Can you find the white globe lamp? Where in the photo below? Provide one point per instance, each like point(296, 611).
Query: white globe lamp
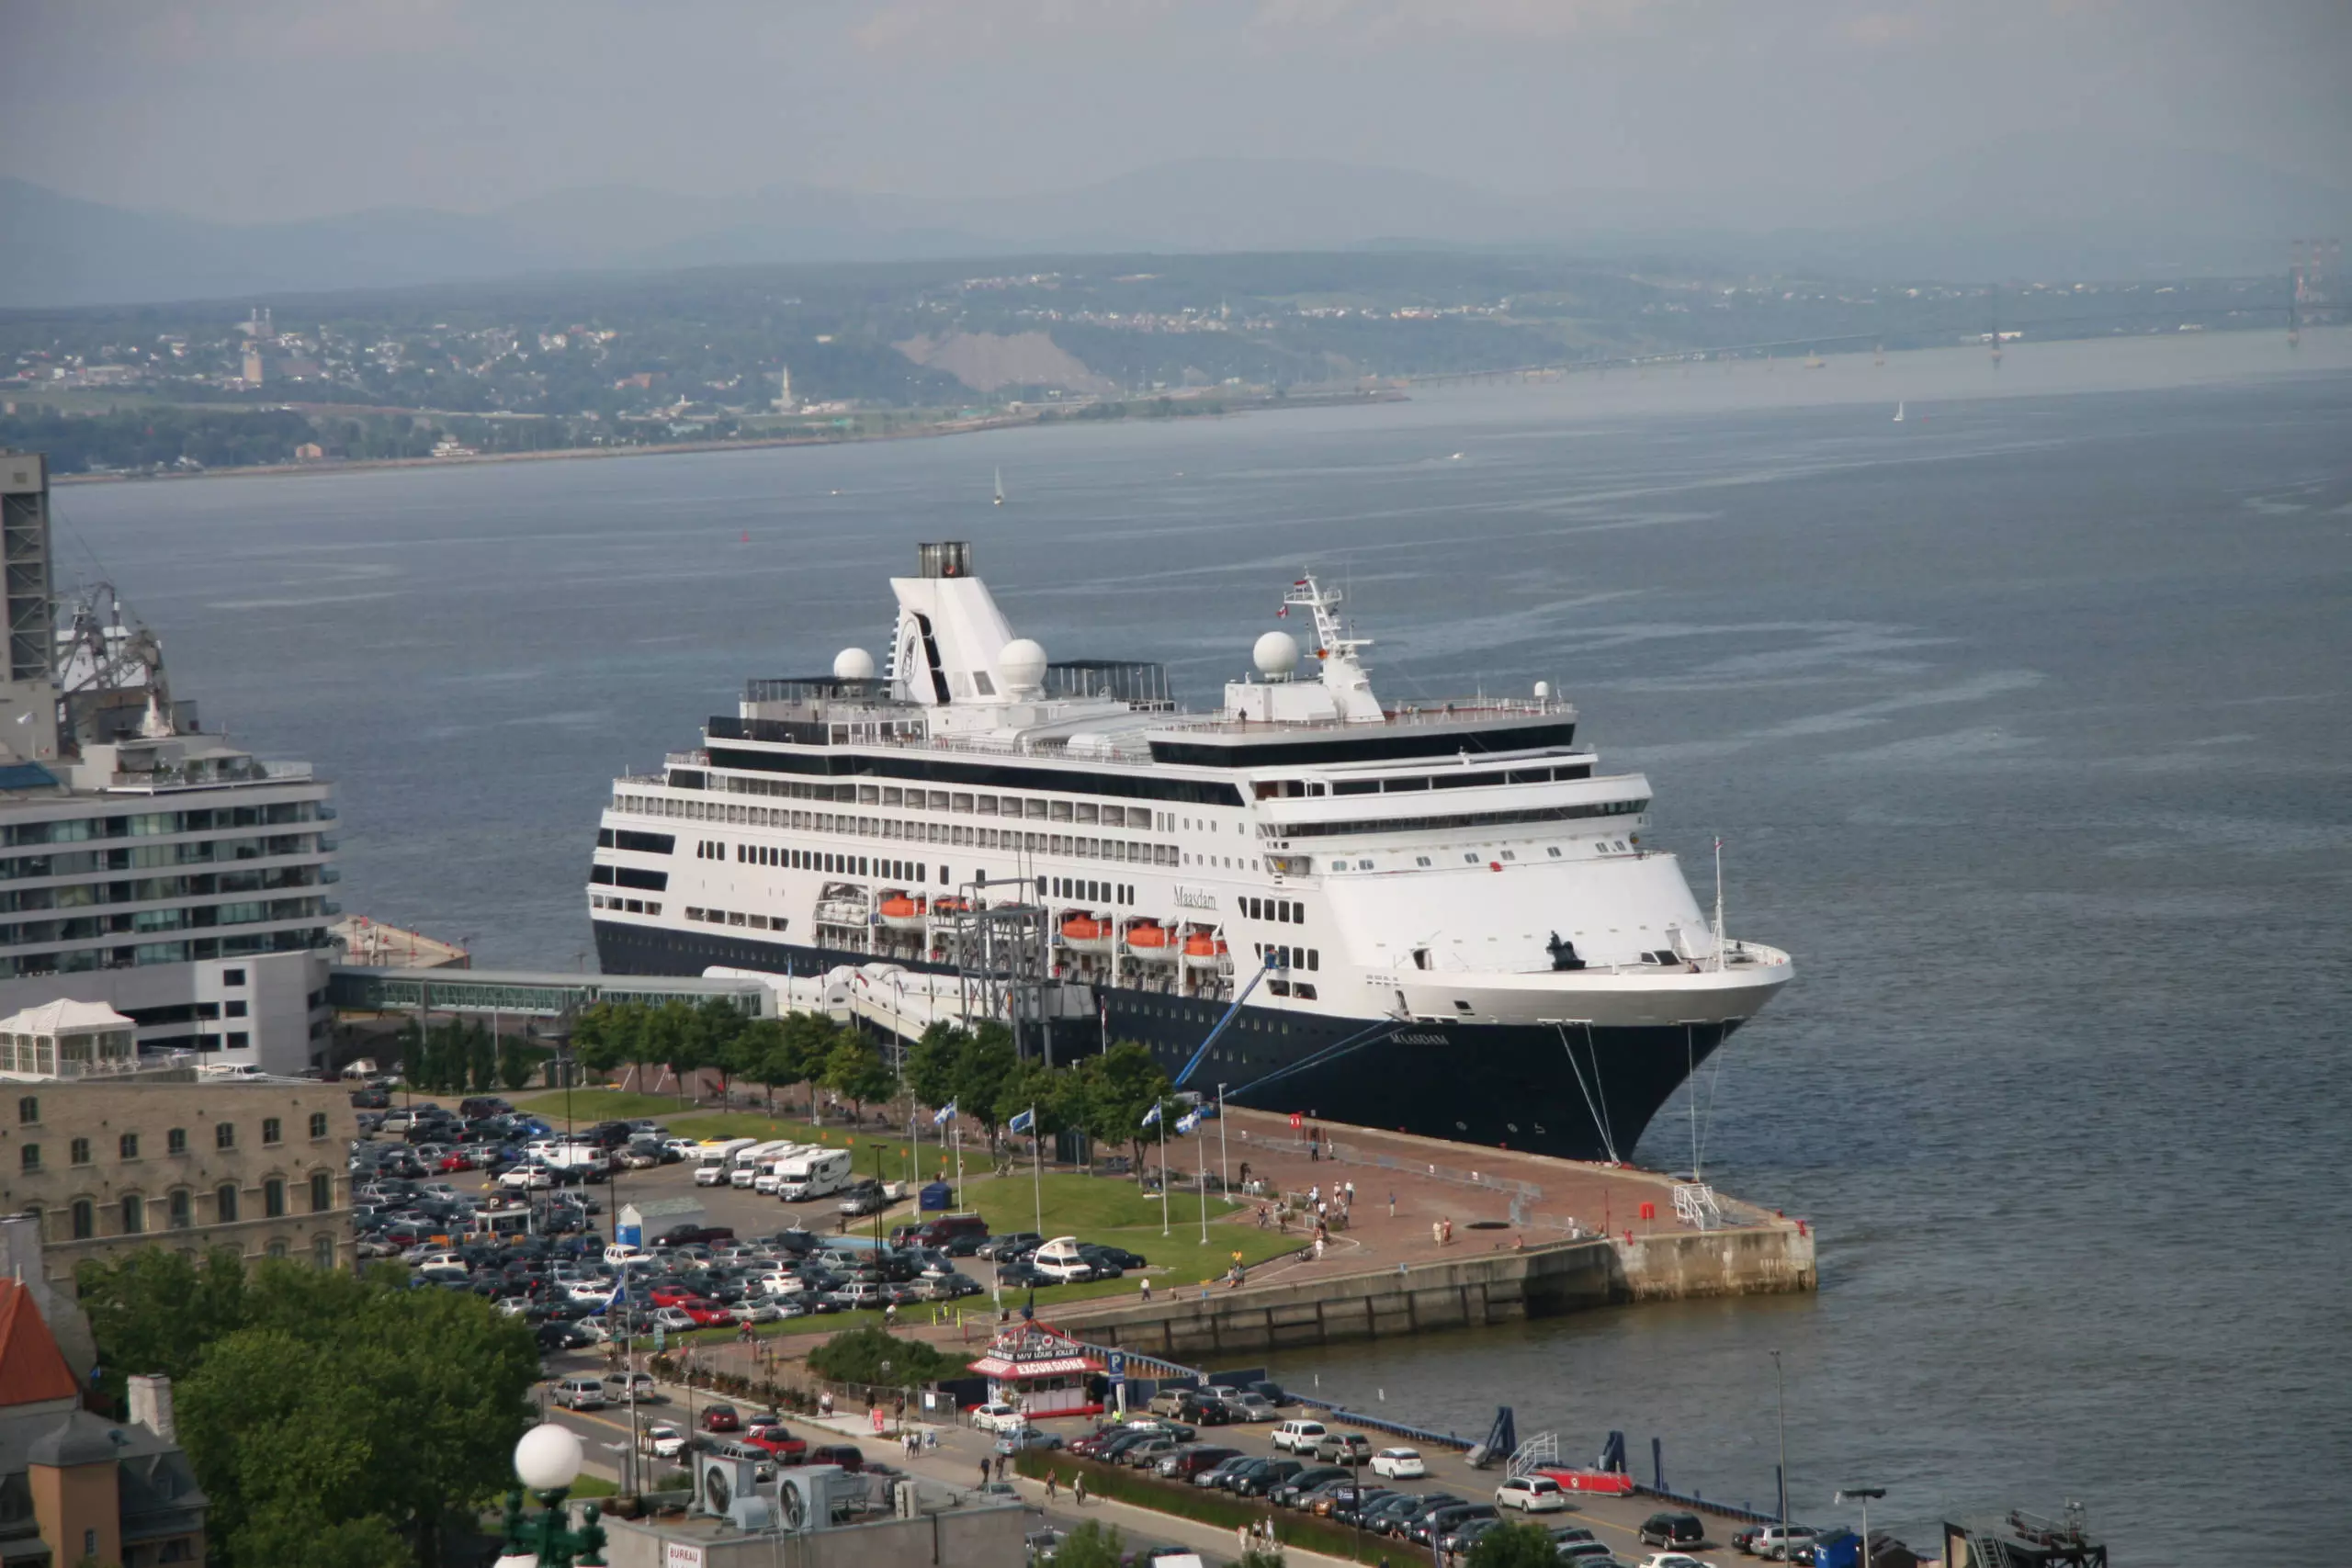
point(549, 1458)
point(853, 664)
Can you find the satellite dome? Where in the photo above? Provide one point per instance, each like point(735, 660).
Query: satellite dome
point(1276, 653)
point(853, 664)
point(1542, 690)
point(1021, 665)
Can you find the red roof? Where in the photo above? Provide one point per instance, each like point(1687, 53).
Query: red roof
point(31, 1367)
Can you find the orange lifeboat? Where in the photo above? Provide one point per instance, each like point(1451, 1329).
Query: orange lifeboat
point(901, 912)
point(1148, 941)
point(1202, 951)
point(1086, 933)
point(949, 905)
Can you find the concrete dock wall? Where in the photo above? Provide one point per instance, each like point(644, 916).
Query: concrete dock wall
point(1472, 1290)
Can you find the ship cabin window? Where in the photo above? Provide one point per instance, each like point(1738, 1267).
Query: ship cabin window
point(1420, 860)
point(1511, 854)
point(984, 804)
point(1555, 852)
point(1035, 810)
point(1060, 810)
point(1470, 860)
point(1086, 812)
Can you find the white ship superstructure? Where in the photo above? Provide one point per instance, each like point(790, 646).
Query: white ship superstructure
point(1440, 916)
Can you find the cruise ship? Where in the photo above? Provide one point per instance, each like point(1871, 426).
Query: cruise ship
point(1438, 917)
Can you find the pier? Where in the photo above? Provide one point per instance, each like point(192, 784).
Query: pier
point(1512, 1237)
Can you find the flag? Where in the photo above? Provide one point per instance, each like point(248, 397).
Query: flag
point(943, 1114)
point(1283, 614)
point(1187, 1121)
point(1022, 1122)
point(1151, 1115)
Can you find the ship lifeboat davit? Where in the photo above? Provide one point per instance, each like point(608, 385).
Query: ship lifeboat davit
point(1150, 942)
point(1086, 933)
point(1202, 951)
point(902, 913)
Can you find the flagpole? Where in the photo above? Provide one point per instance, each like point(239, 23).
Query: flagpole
point(1037, 1166)
point(1162, 1109)
point(1204, 1198)
point(1719, 905)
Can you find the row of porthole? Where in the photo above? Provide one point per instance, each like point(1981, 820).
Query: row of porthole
point(81, 1214)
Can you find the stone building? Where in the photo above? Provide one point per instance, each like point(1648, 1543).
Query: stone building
point(108, 1167)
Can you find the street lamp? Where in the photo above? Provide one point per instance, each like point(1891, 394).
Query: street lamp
point(1863, 1495)
point(547, 1462)
point(1781, 1382)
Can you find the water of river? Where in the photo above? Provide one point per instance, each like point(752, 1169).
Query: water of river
point(2025, 721)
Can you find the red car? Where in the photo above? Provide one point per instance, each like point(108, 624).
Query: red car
point(720, 1419)
point(707, 1313)
point(772, 1435)
point(669, 1295)
point(456, 1162)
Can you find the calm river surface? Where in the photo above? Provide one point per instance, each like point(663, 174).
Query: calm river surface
point(2025, 721)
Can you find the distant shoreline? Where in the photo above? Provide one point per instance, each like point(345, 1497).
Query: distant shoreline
point(1255, 404)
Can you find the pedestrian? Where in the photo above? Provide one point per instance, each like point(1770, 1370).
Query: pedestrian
point(1318, 1249)
point(984, 1470)
point(1078, 1490)
point(1053, 1486)
point(1146, 1292)
point(1351, 1199)
point(1246, 1537)
point(889, 1315)
point(825, 1403)
point(1437, 1232)
point(1392, 1203)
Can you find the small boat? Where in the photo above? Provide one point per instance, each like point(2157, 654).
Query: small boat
point(1000, 487)
point(1086, 933)
point(902, 913)
point(1148, 941)
point(949, 905)
point(1898, 412)
point(1203, 950)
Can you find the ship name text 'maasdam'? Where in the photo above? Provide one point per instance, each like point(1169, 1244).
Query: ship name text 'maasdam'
point(1441, 918)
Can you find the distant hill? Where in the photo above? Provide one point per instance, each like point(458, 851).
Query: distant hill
point(2016, 207)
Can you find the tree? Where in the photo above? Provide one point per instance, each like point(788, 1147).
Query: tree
point(858, 1356)
point(1122, 1084)
point(855, 1071)
point(332, 1419)
point(809, 1041)
point(154, 1310)
point(1515, 1546)
point(1090, 1545)
point(985, 1063)
point(754, 1055)
point(931, 1065)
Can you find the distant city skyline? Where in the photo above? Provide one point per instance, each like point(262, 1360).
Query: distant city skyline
point(269, 110)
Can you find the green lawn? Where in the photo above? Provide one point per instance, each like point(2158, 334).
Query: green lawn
point(1112, 1211)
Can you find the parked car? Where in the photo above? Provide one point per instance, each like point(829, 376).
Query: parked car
point(1252, 1406)
point(1672, 1529)
point(998, 1248)
point(1299, 1436)
point(1288, 1494)
point(849, 1456)
point(1671, 1559)
point(618, 1386)
point(1400, 1464)
point(1260, 1482)
point(663, 1440)
point(1190, 1461)
point(1531, 1495)
point(1344, 1448)
point(1775, 1543)
point(1020, 1438)
point(719, 1418)
point(997, 1418)
point(1432, 1528)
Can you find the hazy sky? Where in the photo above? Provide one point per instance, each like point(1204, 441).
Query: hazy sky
point(274, 108)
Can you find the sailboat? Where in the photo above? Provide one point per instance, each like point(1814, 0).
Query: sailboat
point(1000, 487)
point(1898, 415)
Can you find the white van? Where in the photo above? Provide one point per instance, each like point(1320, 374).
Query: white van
point(1299, 1436)
point(1059, 1260)
point(818, 1175)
